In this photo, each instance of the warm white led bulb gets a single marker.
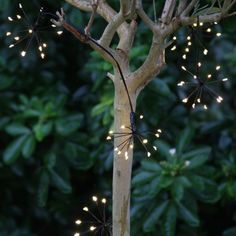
(11, 45)
(193, 105)
(141, 117)
(145, 141)
(94, 198)
(59, 32)
(126, 155)
(18, 17)
(205, 51)
(157, 135)
(23, 53)
(17, 38)
(131, 146)
(154, 147)
(225, 79)
(185, 100)
(30, 31)
(184, 57)
(104, 201)
(8, 33)
(20, 6)
(208, 30)
(85, 209)
(108, 137)
(205, 107)
(183, 68)
(78, 222)
(199, 64)
(173, 48)
(217, 67)
(9, 18)
(181, 83)
(218, 34)
(77, 234)
(148, 154)
(42, 55)
(92, 228)
(209, 76)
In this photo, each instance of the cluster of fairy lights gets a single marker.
(199, 84)
(30, 33)
(98, 222)
(127, 135)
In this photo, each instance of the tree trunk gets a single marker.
(122, 166)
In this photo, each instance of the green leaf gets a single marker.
(16, 129)
(177, 191)
(29, 146)
(160, 87)
(60, 183)
(170, 221)
(68, 125)
(197, 162)
(142, 178)
(150, 165)
(197, 152)
(197, 182)
(42, 130)
(101, 107)
(78, 156)
(155, 186)
(13, 150)
(43, 187)
(163, 149)
(151, 221)
(230, 232)
(188, 216)
(184, 181)
(50, 159)
(184, 139)
(5, 82)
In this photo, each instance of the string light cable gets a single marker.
(31, 31)
(132, 131)
(98, 221)
(200, 84)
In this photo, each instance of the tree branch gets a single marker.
(125, 7)
(104, 10)
(181, 7)
(61, 22)
(111, 29)
(189, 8)
(142, 14)
(168, 11)
(151, 66)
